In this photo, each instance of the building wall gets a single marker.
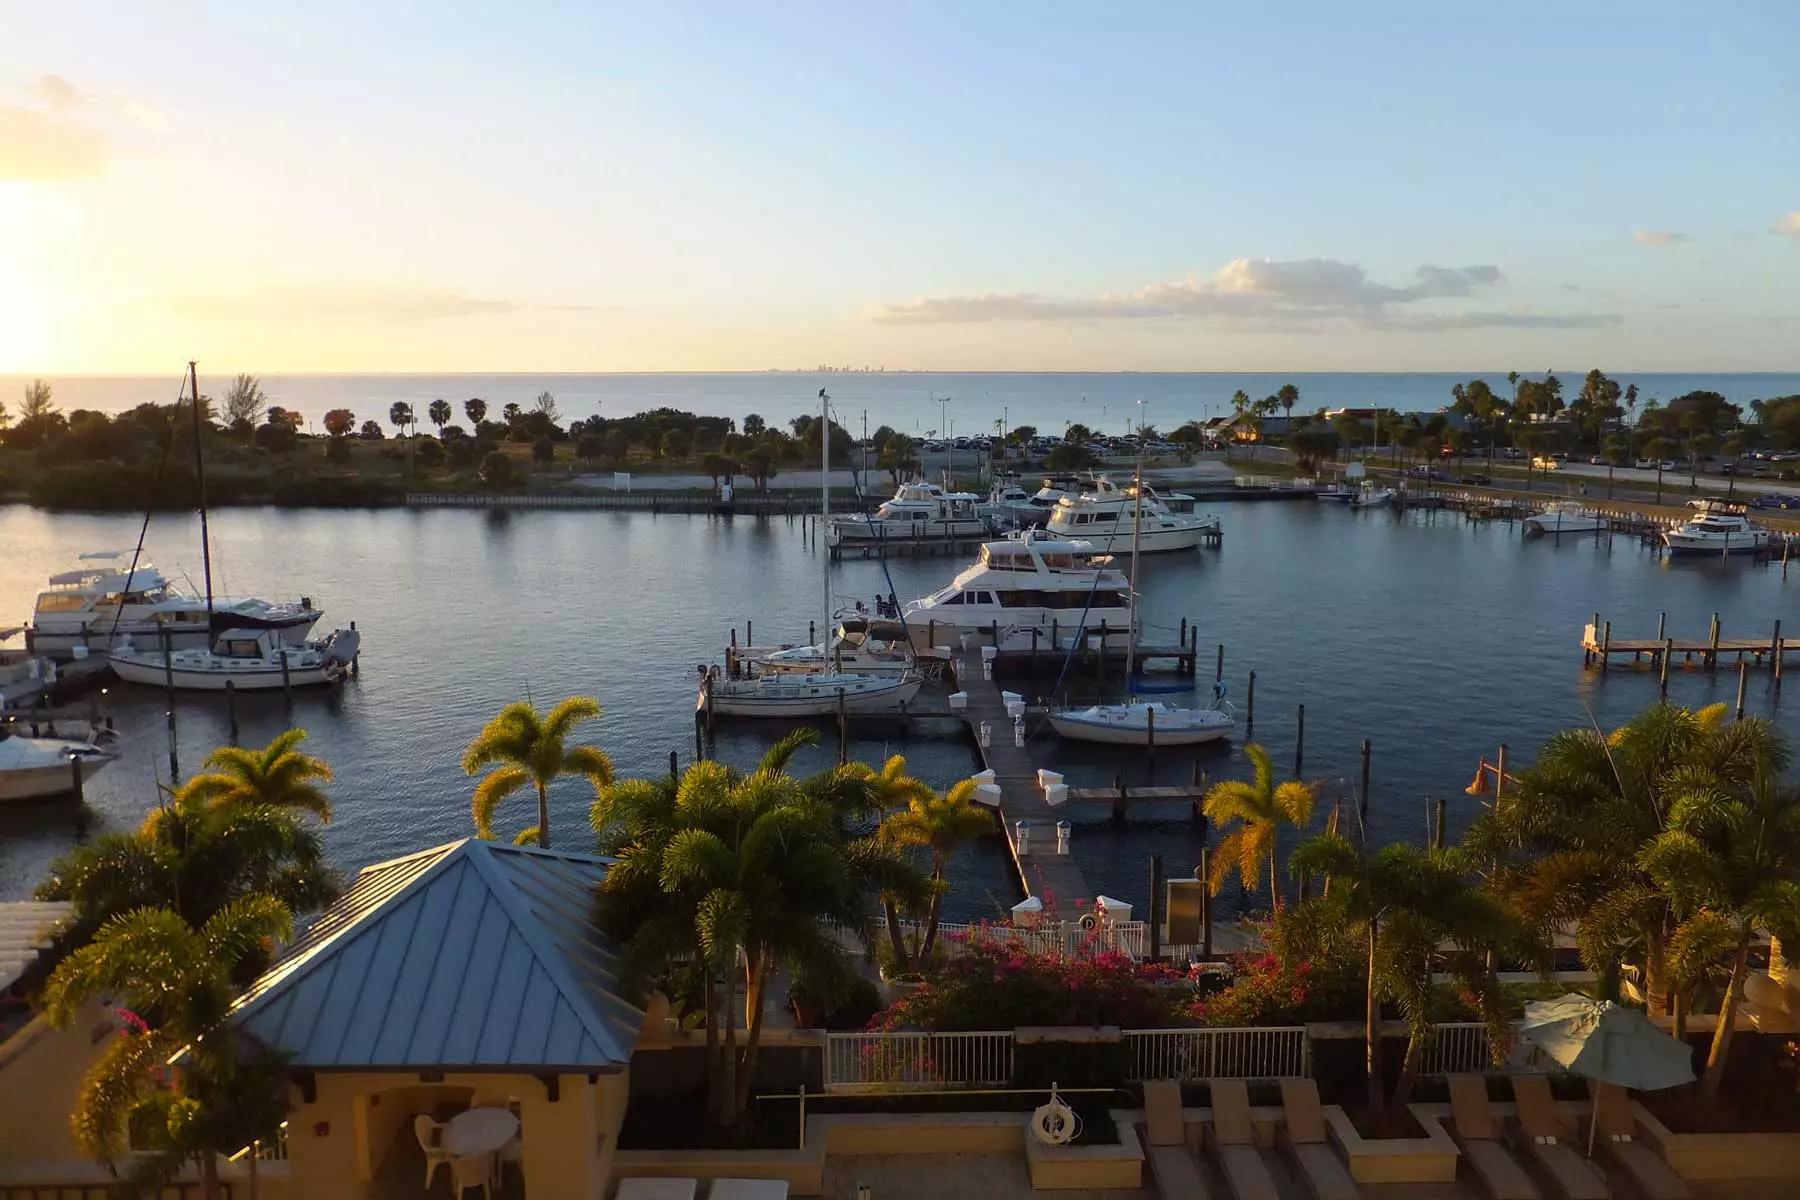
(41, 1070)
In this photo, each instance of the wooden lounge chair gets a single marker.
(1478, 1134)
(1544, 1139)
(1172, 1165)
(1235, 1138)
(1654, 1178)
(1304, 1121)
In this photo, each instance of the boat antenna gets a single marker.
(825, 508)
(200, 478)
(1137, 536)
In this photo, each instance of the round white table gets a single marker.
(479, 1131)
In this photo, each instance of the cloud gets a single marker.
(1788, 226)
(46, 139)
(306, 303)
(1660, 237)
(1255, 294)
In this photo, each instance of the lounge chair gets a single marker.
(1544, 1139)
(1616, 1127)
(1172, 1164)
(748, 1189)
(1304, 1122)
(1478, 1134)
(1245, 1171)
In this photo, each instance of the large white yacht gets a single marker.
(1105, 517)
(1560, 517)
(1027, 582)
(246, 659)
(105, 600)
(860, 645)
(1717, 530)
(916, 510)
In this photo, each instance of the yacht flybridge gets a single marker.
(915, 511)
(1029, 581)
(1718, 529)
(1107, 514)
(105, 599)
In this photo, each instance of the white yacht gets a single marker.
(1373, 497)
(249, 660)
(799, 694)
(1105, 517)
(24, 674)
(1031, 581)
(1010, 505)
(31, 767)
(860, 645)
(105, 599)
(1717, 530)
(915, 511)
(1135, 724)
(1560, 517)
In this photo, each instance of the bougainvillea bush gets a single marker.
(998, 986)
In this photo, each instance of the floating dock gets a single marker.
(1599, 647)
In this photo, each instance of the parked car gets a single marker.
(1597, 460)
(1545, 462)
(1427, 473)
(1776, 500)
(1645, 464)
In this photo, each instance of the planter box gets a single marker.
(1428, 1159)
(1061, 1168)
(1723, 1155)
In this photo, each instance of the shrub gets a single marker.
(337, 450)
(544, 450)
(496, 470)
(429, 452)
(1266, 990)
(461, 452)
(997, 985)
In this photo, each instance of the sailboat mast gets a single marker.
(825, 508)
(200, 477)
(1137, 539)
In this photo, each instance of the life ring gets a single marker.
(1055, 1123)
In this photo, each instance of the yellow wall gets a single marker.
(41, 1070)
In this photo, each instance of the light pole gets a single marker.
(949, 440)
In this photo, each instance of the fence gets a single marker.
(1184, 1054)
(275, 1150)
(909, 1061)
(1049, 937)
(1463, 1047)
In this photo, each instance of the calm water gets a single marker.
(1105, 401)
(1434, 638)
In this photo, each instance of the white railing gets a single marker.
(1457, 1048)
(1048, 937)
(876, 1062)
(275, 1150)
(1275, 1053)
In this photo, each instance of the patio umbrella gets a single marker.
(1607, 1043)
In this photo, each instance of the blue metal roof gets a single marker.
(473, 955)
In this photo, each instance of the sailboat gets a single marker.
(1141, 723)
(246, 659)
(800, 693)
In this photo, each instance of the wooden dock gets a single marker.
(1599, 647)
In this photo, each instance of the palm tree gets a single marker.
(1618, 447)
(1659, 448)
(1698, 447)
(1568, 845)
(1731, 856)
(440, 413)
(1416, 913)
(476, 408)
(942, 822)
(719, 868)
(1260, 807)
(524, 747)
(278, 776)
(178, 979)
(1732, 448)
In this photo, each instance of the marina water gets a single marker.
(1433, 637)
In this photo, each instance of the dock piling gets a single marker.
(1662, 625)
(75, 778)
(674, 766)
(1250, 706)
(287, 678)
(749, 633)
(1780, 652)
(1219, 669)
(1743, 686)
(1712, 640)
(1605, 647)
(1156, 895)
(1437, 832)
(1150, 740)
(1668, 652)
(231, 708)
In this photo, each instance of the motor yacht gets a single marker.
(1105, 517)
(31, 767)
(860, 645)
(106, 598)
(1717, 530)
(249, 661)
(1560, 517)
(1058, 587)
(916, 511)
(1373, 497)
(803, 694)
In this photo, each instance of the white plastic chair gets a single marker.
(431, 1140)
(472, 1171)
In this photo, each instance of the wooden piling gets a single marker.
(1668, 652)
(1743, 686)
(1219, 668)
(1250, 706)
(1437, 833)
(1605, 647)
(231, 708)
(1184, 632)
(734, 637)
(749, 633)
(75, 784)
(812, 633)
(1156, 905)
(1712, 639)
(674, 766)
(1780, 653)
(1662, 625)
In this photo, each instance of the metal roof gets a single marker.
(472, 955)
(26, 927)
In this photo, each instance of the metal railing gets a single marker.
(913, 1061)
(1457, 1048)
(1049, 937)
(274, 1150)
(1185, 1054)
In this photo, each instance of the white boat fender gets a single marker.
(1055, 1123)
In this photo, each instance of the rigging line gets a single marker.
(144, 528)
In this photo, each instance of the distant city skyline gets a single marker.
(388, 188)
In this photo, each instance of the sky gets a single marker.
(1305, 186)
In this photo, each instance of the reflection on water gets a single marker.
(1434, 638)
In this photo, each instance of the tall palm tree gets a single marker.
(1416, 913)
(942, 823)
(1618, 447)
(440, 413)
(280, 775)
(1260, 807)
(1659, 448)
(721, 868)
(1730, 855)
(178, 979)
(524, 747)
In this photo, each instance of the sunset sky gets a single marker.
(1306, 186)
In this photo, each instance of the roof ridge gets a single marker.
(276, 978)
(531, 929)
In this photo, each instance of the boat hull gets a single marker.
(1075, 729)
(251, 675)
(858, 531)
(800, 699)
(1553, 528)
(1749, 543)
(1150, 541)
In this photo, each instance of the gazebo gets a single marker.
(466, 972)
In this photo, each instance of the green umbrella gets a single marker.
(1607, 1043)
